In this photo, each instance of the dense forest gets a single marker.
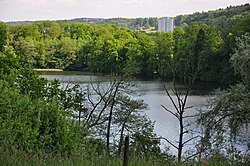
(43, 124)
(109, 49)
(221, 18)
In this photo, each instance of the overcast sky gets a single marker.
(17, 10)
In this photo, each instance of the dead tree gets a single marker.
(179, 111)
(189, 64)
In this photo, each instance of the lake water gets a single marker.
(153, 94)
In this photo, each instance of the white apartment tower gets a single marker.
(165, 24)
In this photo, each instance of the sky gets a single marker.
(22, 10)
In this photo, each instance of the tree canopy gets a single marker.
(109, 49)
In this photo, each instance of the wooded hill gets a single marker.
(221, 18)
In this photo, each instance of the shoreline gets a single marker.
(48, 69)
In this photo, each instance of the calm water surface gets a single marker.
(153, 94)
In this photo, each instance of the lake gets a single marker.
(153, 94)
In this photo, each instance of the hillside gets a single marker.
(220, 18)
(130, 23)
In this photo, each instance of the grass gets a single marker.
(18, 158)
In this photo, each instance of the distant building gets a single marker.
(165, 24)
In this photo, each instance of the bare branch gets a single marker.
(189, 157)
(167, 141)
(175, 115)
(188, 107)
(97, 123)
(190, 116)
(198, 136)
(171, 99)
(103, 97)
(178, 94)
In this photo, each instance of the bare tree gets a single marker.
(98, 103)
(179, 101)
(108, 110)
(99, 99)
(193, 64)
(113, 102)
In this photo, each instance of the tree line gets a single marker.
(109, 49)
(132, 23)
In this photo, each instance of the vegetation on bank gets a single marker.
(110, 49)
(43, 124)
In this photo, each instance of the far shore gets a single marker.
(48, 69)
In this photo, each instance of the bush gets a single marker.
(33, 124)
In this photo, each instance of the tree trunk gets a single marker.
(126, 149)
(180, 146)
(110, 118)
(121, 139)
(79, 117)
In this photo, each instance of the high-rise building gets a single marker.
(165, 24)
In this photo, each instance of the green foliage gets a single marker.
(30, 83)
(195, 50)
(32, 121)
(226, 121)
(40, 120)
(3, 35)
(222, 18)
(133, 24)
(144, 141)
(241, 59)
(26, 49)
(163, 53)
(112, 50)
(32, 125)
(66, 52)
(231, 22)
(8, 60)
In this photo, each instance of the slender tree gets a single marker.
(191, 67)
